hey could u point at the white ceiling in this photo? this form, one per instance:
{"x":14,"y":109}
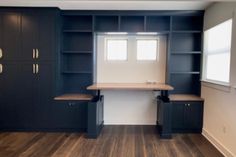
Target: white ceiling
{"x":111,"y":4}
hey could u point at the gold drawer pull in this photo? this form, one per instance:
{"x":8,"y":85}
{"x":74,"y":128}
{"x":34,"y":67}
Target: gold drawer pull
{"x":37,"y":53}
{"x":33,"y":53}
{"x":37,"y":68}
{"x":33,"y":68}
{"x":1,"y":68}
{"x":1,"y":54}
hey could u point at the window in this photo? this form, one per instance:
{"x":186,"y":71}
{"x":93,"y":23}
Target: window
{"x":147,"y":49}
{"x":116,"y":49}
{"x":217,"y":47}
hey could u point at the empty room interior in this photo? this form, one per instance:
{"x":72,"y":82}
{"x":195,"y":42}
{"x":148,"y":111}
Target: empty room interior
{"x":117,"y":78}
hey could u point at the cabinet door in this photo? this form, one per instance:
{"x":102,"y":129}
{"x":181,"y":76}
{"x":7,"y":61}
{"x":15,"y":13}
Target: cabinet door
{"x":27,"y":95}
{"x":193,"y":115}
{"x":44,"y":92}
{"x":9,"y":96}
{"x":29,"y":34}
{"x":70,"y":115}
{"x":178,"y":109}
{"x":10,"y":35}
{"x":47,"y":31}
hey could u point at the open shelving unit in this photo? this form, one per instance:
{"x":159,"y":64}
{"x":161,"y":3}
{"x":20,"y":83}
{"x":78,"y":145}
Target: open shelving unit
{"x":77,"y":53}
{"x":185,"y":54}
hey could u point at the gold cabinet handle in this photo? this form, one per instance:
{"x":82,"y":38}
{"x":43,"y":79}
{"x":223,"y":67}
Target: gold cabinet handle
{"x":37,"y":68}
{"x":1,"y":54}
{"x":37,"y":53}
{"x":33,"y":68}
{"x":33,"y":53}
{"x":1,"y":68}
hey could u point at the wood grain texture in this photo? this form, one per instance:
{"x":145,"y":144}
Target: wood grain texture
{"x":77,"y":97}
{"x":114,"y":141}
{"x":185,"y":97}
{"x":129,"y":86}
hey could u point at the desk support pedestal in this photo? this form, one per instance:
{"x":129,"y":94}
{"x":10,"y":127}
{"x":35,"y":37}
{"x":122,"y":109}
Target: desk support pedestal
{"x":164,"y":109}
{"x":95,"y":117}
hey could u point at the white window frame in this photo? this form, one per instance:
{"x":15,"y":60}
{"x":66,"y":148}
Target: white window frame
{"x":157,"y":47}
{"x":116,"y":38}
{"x":221,"y":51}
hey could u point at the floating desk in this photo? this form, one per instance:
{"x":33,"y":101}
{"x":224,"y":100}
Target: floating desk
{"x":164,"y":126}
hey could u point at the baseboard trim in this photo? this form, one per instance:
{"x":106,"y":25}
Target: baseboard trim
{"x":217,"y":144}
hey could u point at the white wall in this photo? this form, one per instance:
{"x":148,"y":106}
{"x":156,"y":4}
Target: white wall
{"x":130,"y":107}
{"x":220,"y":103}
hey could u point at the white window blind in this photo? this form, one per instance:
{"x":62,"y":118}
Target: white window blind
{"x":217,"y":47}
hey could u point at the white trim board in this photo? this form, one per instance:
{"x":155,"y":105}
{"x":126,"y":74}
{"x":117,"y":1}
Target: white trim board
{"x":217,"y":144}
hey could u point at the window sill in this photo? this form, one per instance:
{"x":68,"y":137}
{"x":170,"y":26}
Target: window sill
{"x":216,"y":83}
{"x":217,"y":86}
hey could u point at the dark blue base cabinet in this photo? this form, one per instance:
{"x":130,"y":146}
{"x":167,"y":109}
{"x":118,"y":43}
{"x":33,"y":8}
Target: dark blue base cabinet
{"x":95,"y":117}
{"x":187,"y":116}
{"x":179,"y":117}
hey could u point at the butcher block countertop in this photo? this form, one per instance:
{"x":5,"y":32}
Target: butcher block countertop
{"x":185,"y":97}
{"x":129,"y":86}
{"x":77,"y":97}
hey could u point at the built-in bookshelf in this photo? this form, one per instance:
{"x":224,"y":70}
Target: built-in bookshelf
{"x":185,"y":54}
{"x":77,"y":53}
{"x":184,"y":36}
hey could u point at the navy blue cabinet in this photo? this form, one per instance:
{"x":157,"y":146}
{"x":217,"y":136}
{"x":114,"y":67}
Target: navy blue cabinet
{"x":38,"y":34}
{"x":9,"y":95}
{"x":9,"y":35}
{"x":70,"y":115}
{"x":187,"y":116}
{"x":28,"y":41}
{"x":44,"y":93}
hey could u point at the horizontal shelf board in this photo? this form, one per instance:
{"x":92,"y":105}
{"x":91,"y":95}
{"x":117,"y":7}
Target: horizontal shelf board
{"x":186,"y":31}
{"x":156,"y":31}
{"x":185,"y":52}
{"x":77,"y":52}
{"x":189,"y":72}
{"x":77,"y":72}
{"x":77,"y":31}
{"x":185,"y":97}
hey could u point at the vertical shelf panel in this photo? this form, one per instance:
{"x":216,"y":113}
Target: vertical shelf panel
{"x":132,"y":23}
{"x":157,"y":23}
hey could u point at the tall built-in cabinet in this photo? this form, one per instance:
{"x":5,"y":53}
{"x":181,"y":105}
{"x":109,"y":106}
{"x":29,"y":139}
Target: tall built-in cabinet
{"x":28,"y":43}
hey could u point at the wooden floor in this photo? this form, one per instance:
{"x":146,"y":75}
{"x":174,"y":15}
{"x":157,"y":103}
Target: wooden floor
{"x":115,"y":141}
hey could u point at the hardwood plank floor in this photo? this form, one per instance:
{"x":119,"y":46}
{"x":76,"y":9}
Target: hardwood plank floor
{"x":114,"y":141}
